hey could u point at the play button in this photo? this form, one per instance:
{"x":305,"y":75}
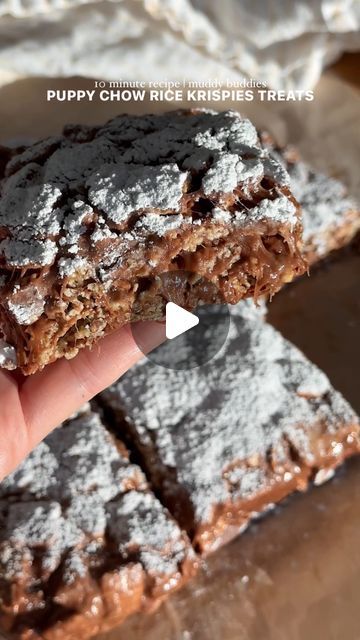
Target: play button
{"x":193,"y":334}
{"x":178,"y":320}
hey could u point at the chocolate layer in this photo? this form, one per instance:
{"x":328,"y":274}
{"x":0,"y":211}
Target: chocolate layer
{"x":223,"y":442}
{"x":89,"y":219}
{"x":83,"y":541}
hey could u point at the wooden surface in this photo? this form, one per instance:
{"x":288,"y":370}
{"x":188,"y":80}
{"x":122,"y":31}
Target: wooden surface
{"x":348,"y":68}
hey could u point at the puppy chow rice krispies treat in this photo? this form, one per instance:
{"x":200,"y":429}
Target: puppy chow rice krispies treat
{"x":223,"y":442}
{"x":84,"y":543}
{"x":91,"y":219}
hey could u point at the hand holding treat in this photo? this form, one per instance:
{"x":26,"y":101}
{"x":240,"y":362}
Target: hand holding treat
{"x":31,"y":407}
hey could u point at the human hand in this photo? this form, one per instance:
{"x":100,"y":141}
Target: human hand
{"x":30,"y":407}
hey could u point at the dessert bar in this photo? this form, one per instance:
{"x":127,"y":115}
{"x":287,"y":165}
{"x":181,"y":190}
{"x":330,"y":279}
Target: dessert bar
{"x":91,"y":219}
{"x":330,"y":216}
{"x":223,"y":442}
{"x":83,"y":541}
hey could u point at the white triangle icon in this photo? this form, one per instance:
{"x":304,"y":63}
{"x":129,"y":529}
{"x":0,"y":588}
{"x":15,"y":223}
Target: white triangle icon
{"x":178,"y":320}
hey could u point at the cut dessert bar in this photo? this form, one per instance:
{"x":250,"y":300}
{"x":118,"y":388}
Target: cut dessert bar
{"x":223,"y":442}
{"x":83,"y":541}
{"x":90,"y":219}
{"x":331,"y":218}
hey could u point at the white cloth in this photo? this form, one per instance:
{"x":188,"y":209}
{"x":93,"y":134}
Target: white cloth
{"x":284,"y":43}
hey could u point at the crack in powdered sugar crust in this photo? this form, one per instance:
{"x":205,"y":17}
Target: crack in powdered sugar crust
{"x":259,"y":390}
{"x":66,"y":497}
{"x":139,"y":164}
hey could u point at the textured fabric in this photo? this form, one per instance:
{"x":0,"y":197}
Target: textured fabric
{"x":283,"y":43}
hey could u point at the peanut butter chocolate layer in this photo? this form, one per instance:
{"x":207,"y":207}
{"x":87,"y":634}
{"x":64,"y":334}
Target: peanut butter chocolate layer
{"x":89,"y":219}
{"x":223,"y":442}
{"x":331,"y":218}
{"x":83,"y":542}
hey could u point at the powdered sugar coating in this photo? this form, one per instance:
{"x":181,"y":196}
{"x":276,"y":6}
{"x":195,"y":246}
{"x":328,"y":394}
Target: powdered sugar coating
{"x":26,"y":207}
{"x":138,"y":523}
{"x":70,"y":266}
{"x":206,"y":422}
{"x":70,"y":166}
{"x":35,"y":153}
{"x":152,"y":223}
{"x":40,"y":523}
{"x":325,"y":203}
{"x":228,"y":170}
{"x":24,"y":253}
{"x":8,"y":358}
{"x":119,"y":190}
{"x":88,"y":513}
{"x":29,"y":309}
{"x":277,"y":171}
{"x":71,"y":494}
{"x":74,"y":224}
{"x":280,"y":210}
{"x":124,"y":517}
{"x":132,"y":164}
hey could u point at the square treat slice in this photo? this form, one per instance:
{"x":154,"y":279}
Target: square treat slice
{"x":83,"y":541}
{"x":90,"y":219}
{"x":331,"y":218}
{"x":224,"y":442}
